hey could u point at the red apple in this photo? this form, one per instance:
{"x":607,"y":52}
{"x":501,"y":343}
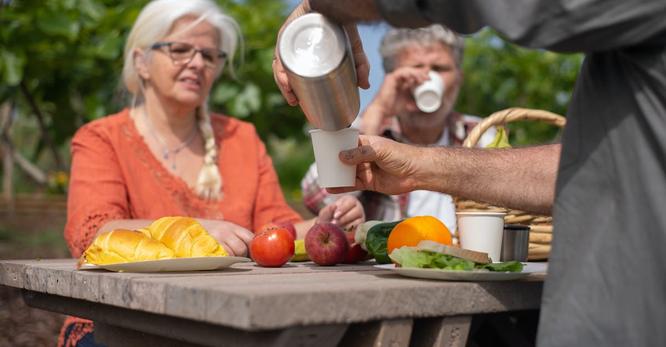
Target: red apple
{"x":326,"y":244}
{"x":355,"y":254}
{"x":272,"y":248}
{"x":349,"y":234}
{"x":277,"y":225}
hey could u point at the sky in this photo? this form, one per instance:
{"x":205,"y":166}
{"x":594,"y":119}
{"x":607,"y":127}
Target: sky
{"x":371,"y":36}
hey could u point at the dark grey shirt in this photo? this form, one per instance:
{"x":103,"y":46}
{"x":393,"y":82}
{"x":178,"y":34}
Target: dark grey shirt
{"x":607,"y":279}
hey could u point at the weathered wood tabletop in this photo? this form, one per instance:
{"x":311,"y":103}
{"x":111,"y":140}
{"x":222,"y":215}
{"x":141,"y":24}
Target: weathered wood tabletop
{"x":298,"y":304}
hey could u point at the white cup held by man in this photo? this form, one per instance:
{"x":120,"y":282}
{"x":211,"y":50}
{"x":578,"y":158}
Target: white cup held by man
{"x":482,"y":232}
{"x":428,"y":95}
{"x":327,"y":146}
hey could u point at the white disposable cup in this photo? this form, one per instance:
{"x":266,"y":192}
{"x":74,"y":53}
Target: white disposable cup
{"x":428,"y":95}
{"x":482,"y":232}
{"x":327,"y":146}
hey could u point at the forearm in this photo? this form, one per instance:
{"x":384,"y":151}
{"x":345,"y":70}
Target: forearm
{"x":372,"y":119}
{"x":345,"y":11}
{"x":522,"y":178}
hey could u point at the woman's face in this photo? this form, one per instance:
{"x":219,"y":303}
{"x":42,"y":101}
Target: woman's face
{"x":185,"y":84}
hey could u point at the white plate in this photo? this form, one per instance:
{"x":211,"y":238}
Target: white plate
{"x":450,"y":275}
{"x":173,"y":264}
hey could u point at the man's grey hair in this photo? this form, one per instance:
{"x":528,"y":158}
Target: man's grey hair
{"x":396,"y":40}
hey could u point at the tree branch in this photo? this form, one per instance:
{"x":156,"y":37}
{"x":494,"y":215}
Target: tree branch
{"x":11,"y":155}
{"x":42,"y":124}
{"x":7,"y":158}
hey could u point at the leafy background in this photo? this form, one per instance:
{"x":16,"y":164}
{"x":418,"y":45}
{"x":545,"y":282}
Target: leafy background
{"x":60,"y":62}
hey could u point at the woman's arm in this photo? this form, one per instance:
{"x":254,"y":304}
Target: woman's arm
{"x":97,"y":190}
{"x":129,"y":224}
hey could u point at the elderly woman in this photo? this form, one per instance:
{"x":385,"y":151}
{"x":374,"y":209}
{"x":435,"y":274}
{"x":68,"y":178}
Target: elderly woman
{"x":167,"y":155}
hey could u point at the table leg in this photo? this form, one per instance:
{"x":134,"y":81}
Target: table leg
{"x":394,"y":333}
{"x":114,"y":336}
{"x":442,"y":332}
{"x":320,"y":336}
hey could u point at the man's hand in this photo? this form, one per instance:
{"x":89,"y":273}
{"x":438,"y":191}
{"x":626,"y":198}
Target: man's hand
{"x":386,"y":166}
{"x":360,"y":59}
{"x":394,"y":97}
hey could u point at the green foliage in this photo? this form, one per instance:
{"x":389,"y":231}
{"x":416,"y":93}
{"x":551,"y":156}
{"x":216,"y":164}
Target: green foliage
{"x":67,"y":56}
{"x":254,"y":97}
{"x":499,"y":75}
{"x":291,"y":158}
{"x":71,"y":57}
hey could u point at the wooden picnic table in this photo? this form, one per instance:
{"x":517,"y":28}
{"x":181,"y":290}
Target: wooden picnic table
{"x":300,"y":304}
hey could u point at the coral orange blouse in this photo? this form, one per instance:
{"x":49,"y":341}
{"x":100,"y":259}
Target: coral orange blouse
{"x":114,"y":175}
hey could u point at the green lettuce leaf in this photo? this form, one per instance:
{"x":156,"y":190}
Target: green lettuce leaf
{"x":411,"y":257}
{"x":507,"y":266}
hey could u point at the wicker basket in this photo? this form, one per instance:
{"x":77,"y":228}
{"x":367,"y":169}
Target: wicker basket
{"x":541,"y":228}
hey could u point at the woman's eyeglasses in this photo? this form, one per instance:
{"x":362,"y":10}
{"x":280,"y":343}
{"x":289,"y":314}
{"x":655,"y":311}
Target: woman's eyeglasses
{"x":183,"y":53}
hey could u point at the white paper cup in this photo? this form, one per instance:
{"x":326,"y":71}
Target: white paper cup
{"x":482,"y":232}
{"x":428,"y":95}
{"x":327,"y":146}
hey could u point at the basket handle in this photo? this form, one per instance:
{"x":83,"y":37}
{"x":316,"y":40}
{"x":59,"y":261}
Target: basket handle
{"x":513,"y":114}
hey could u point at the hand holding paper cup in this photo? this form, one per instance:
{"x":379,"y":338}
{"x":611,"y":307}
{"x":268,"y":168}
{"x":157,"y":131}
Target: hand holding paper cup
{"x":482,"y":232}
{"x":327,"y":147}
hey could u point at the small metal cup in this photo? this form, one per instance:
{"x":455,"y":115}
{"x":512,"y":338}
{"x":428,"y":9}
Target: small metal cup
{"x":317,"y":57}
{"x":515,"y":242}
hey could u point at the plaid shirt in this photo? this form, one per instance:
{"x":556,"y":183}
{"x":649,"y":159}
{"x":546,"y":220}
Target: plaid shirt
{"x":380,"y":206}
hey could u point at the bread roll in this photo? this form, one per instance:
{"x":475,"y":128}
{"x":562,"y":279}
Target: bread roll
{"x":541,"y":238}
{"x":123,"y":246}
{"x":467,"y":254}
{"x":185,"y":236}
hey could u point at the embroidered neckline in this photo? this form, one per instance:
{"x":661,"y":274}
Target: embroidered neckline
{"x":180,"y":190}
{"x":166,"y":151}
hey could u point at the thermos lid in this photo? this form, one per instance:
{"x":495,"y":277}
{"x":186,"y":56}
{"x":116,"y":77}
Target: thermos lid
{"x":312,"y":46}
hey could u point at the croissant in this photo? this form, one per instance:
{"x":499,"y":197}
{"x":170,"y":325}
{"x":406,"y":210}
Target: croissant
{"x":185,"y":236}
{"x":122,"y":246}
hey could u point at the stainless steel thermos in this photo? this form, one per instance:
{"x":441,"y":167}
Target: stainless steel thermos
{"x":317,"y":57}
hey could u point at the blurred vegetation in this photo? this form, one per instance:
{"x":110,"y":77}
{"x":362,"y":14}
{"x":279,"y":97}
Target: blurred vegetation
{"x":499,"y":75}
{"x":60,"y":63}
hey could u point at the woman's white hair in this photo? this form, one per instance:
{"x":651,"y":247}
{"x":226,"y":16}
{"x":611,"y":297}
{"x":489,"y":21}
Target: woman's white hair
{"x":155,"y":22}
{"x":398,"y":39}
